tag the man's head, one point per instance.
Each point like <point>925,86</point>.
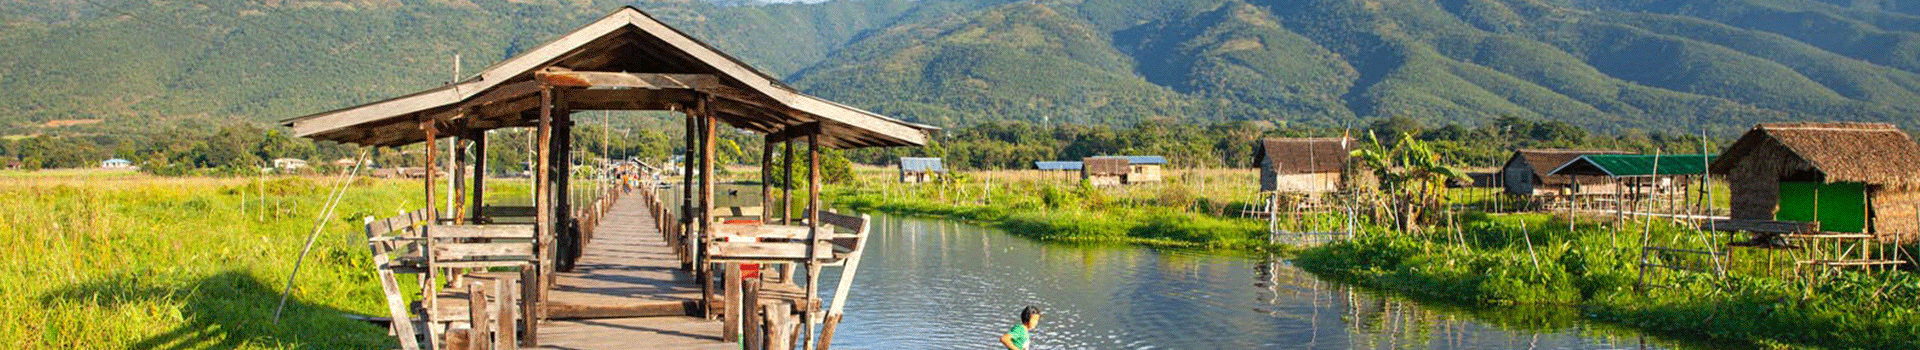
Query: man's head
<point>1030,317</point>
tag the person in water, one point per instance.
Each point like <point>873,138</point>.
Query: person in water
<point>1016,337</point>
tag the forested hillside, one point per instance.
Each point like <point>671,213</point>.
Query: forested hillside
<point>1611,65</point>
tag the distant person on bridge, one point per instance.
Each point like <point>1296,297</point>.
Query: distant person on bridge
<point>1016,337</point>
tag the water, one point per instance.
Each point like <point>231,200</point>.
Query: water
<point>934,284</point>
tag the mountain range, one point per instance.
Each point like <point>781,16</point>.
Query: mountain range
<point>1684,66</point>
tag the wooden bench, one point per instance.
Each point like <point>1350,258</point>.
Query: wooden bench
<point>411,244</point>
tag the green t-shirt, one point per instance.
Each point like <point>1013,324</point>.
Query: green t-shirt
<point>1019,333</point>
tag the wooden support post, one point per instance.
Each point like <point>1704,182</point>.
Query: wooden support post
<point>766,180</point>
<point>534,289</point>
<point>755,334</point>
<point>503,338</point>
<point>733,326</point>
<point>708,133</point>
<point>432,286</point>
<point>479,174</point>
<point>529,306</point>
<point>780,326</point>
<point>562,190</point>
<point>479,338</point>
<point>457,176</point>
<point>786,186</point>
<point>813,232</point>
<point>685,228</point>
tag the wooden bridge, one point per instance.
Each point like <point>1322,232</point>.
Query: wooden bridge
<point>615,268</point>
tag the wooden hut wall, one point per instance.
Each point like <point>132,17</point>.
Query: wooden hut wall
<point>1144,173</point>
<point>1519,177</point>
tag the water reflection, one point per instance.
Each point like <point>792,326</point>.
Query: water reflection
<point>934,284</point>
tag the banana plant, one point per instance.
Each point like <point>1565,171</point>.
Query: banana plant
<point>1411,175</point>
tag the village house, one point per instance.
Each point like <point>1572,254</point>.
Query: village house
<point>1312,166</point>
<point>1529,172</point>
<point>1840,177</point>
<point>921,170</point>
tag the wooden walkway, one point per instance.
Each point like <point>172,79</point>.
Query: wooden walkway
<point>627,270</point>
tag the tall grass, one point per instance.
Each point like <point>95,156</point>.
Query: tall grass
<point>131,261</point>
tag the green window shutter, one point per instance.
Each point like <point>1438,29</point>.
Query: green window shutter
<point>1843,207</point>
<point>1797,200</point>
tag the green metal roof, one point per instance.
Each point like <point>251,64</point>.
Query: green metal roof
<point>1620,165</point>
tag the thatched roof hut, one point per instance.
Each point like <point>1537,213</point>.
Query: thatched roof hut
<point>1848,177</point>
<point>1104,171</point>
<point>1530,171</point>
<point>1302,165</point>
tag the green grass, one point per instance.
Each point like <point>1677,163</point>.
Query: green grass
<point>1594,267</point>
<point>131,261</point>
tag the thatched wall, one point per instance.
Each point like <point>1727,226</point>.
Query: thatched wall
<point>1104,166</point>
<point>1307,183</point>
<point>1754,179</point>
<point>1894,214</point>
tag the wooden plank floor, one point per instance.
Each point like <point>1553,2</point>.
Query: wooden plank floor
<point>628,264</point>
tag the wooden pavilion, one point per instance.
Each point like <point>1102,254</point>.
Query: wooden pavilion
<point>1648,182</point>
<point>624,61</point>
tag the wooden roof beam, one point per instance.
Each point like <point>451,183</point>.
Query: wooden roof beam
<point>561,77</point>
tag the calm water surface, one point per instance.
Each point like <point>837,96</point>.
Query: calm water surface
<point>934,284</point>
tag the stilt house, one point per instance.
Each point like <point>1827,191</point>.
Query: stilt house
<point>1841,177</point>
<point>1303,165</point>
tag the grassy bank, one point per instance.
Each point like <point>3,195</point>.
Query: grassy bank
<point>123,260</point>
<point>1197,209</point>
<point>1534,259</point>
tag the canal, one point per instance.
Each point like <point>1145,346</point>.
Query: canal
<point>936,284</point>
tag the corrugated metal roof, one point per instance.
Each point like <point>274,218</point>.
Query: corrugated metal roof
<point>1057,165</point>
<point>922,164</point>
<point>1619,165</point>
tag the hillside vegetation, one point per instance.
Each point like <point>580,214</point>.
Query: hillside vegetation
<point>1674,66</point>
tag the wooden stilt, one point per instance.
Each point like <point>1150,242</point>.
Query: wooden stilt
<point>479,175</point>
<point>732,326</point>
<point>813,232</point>
<point>531,283</point>
<point>786,187</point>
<point>708,133</point>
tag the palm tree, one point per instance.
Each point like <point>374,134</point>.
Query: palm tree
<point>1411,175</point>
